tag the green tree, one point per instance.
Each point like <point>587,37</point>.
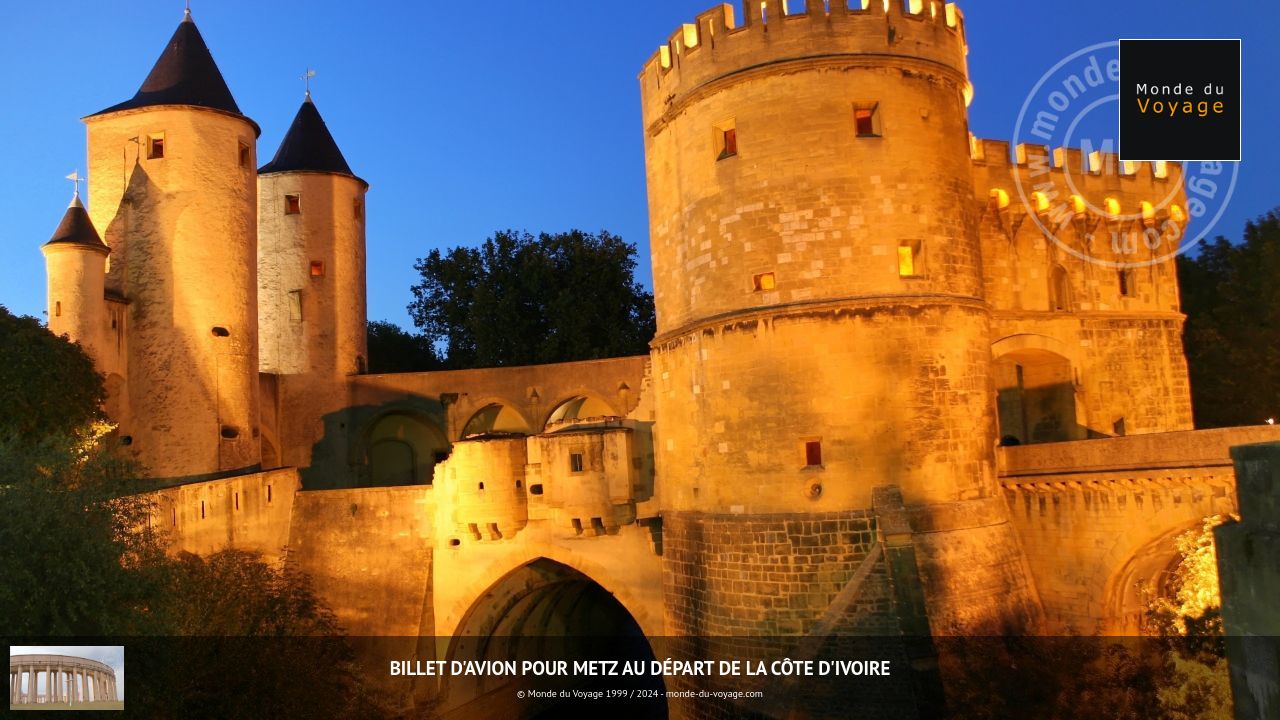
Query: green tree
<point>519,299</point>
<point>394,350</point>
<point>48,386</point>
<point>1231,297</point>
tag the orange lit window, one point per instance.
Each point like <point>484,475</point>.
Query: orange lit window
<point>813,453</point>
<point>763,282</point>
<point>155,147</point>
<point>726,140</point>
<point>292,205</point>
<point>317,268</point>
<point>910,259</point>
<point>866,119</point>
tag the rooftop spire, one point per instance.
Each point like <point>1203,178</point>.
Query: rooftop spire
<point>185,74</point>
<point>308,146</point>
<point>76,228</point>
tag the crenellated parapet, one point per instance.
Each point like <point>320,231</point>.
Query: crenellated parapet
<point>718,44</point>
<point>1062,183</point>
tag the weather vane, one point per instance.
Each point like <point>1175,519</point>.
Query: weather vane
<point>75,179</point>
<point>306,78</point>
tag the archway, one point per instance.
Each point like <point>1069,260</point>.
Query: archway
<point>492,418</point>
<point>578,408</point>
<point>1145,576</point>
<point>403,449</point>
<point>546,611</point>
<point>1035,397</point>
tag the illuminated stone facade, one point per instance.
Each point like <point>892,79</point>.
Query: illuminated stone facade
<point>855,311</point>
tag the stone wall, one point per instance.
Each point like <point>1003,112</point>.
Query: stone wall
<point>1097,518</point>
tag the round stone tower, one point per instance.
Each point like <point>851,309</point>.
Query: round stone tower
<point>75,266</point>
<point>311,259</point>
<point>821,326</point>
<point>173,190</point>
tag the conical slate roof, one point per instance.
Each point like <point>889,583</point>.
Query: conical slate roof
<point>77,229</point>
<point>185,74</point>
<point>308,146</point>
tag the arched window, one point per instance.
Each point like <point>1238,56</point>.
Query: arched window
<point>494,418</point>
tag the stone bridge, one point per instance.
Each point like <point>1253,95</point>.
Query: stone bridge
<point>527,535</point>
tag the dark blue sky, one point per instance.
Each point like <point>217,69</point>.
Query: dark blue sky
<point>470,116</point>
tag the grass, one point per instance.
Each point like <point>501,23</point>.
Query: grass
<point>104,705</point>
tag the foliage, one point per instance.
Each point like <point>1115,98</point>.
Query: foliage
<point>80,559</point>
<point>48,386</point>
<point>519,299</point>
<point>1195,684</point>
<point>393,350</point>
<point>1232,335</point>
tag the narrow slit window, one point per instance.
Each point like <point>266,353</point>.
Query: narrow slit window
<point>155,146</point>
<point>317,268</point>
<point>866,119</point>
<point>813,453</point>
<point>764,282</point>
<point>246,157</point>
<point>357,209</point>
<point>295,305</point>
<point>726,139</point>
<point>57,308</point>
<point>292,205</point>
<point>575,462</point>
<point>1126,283</point>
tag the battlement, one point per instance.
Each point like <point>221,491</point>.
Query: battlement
<point>716,45</point>
<point>1060,174</point>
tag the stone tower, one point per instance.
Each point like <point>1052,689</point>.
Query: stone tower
<point>75,268</point>
<point>173,190</point>
<point>311,255</point>
<point>822,330</point>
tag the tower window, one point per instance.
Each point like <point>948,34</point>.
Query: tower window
<point>317,268</point>
<point>726,139</point>
<point>1126,283</point>
<point>910,259</point>
<point>763,282</point>
<point>292,205</point>
<point>246,156</point>
<point>1059,289</point>
<point>230,433</point>
<point>57,308</point>
<point>219,331</point>
<point>813,453</point>
<point>155,146</point>
<point>575,462</point>
<point>295,305</point>
<point>357,209</point>
<point>866,119</point>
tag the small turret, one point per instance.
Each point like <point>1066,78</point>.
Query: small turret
<point>75,265</point>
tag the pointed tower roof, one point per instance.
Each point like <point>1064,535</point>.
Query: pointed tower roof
<point>308,146</point>
<point>77,229</point>
<point>185,74</point>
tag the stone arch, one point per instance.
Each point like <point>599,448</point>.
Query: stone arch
<point>579,406</point>
<point>1143,575</point>
<point>401,447</point>
<point>1036,391</point>
<point>495,415</point>
<point>542,610</point>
